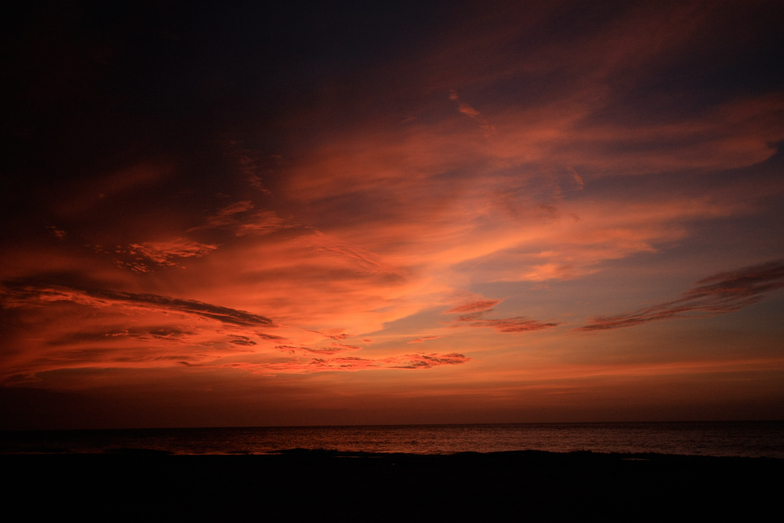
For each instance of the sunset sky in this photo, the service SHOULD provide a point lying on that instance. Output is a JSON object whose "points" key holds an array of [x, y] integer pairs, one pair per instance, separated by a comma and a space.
{"points": [[343, 213]]}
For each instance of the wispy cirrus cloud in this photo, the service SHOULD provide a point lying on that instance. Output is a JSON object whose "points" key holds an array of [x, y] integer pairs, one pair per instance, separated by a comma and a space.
{"points": [[354, 363], [165, 253], [333, 348], [167, 332], [505, 325], [474, 306], [469, 111], [525, 150], [146, 257], [225, 217], [238, 218], [423, 339], [427, 361], [718, 294], [27, 292], [235, 339], [57, 233], [261, 223], [271, 337], [472, 314], [117, 329]]}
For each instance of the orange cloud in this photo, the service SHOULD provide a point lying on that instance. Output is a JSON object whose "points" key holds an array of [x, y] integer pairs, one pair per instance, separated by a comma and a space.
{"points": [[524, 156], [163, 253], [106, 328]]}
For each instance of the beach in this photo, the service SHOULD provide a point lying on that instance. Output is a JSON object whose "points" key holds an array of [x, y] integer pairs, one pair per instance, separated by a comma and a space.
{"points": [[300, 483]]}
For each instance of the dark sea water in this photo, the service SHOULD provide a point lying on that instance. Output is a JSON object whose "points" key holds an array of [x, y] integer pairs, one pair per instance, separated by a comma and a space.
{"points": [[744, 439]]}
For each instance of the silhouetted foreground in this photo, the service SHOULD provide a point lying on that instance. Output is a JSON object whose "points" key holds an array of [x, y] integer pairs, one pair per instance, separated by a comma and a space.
{"points": [[373, 487]]}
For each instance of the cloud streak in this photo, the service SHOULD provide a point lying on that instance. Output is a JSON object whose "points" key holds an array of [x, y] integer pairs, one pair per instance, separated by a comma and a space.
{"points": [[164, 253], [99, 338], [353, 363], [474, 306], [423, 339], [333, 348], [238, 218], [718, 294], [225, 217], [505, 325], [21, 293]]}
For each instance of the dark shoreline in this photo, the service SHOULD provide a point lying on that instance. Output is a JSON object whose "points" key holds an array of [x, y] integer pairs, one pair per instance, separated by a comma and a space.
{"points": [[361, 486]]}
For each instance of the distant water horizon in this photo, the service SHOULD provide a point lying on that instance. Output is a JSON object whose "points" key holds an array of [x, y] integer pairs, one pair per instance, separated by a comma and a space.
{"points": [[752, 439]]}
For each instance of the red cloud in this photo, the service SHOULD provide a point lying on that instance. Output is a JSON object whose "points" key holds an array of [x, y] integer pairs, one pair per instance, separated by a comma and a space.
{"points": [[164, 253]]}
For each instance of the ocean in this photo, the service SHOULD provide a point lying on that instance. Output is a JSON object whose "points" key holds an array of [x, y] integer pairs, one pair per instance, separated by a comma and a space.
{"points": [[738, 439]]}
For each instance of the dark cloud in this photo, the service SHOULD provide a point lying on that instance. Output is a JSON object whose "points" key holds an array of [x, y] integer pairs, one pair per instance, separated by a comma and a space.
{"points": [[168, 332], [270, 337], [100, 336], [354, 363], [225, 217], [21, 292], [58, 233], [240, 340], [718, 294], [166, 253], [163, 332], [334, 348], [427, 361], [518, 324], [408, 361], [474, 306]]}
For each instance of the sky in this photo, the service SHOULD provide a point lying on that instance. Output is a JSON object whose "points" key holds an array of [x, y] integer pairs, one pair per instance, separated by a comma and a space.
{"points": [[327, 213]]}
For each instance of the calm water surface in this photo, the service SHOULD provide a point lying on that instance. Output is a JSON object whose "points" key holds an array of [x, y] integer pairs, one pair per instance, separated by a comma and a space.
{"points": [[747, 439]]}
